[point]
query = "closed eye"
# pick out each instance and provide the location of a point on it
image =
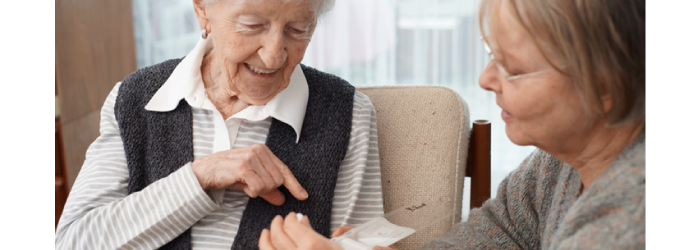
(253, 26)
(295, 31)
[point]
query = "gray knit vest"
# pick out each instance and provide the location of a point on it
(159, 143)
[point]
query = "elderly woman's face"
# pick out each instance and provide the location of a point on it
(543, 110)
(258, 43)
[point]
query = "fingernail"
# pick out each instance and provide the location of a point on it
(304, 194)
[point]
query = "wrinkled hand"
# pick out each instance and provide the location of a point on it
(292, 234)
(341, 230)
(254, 170)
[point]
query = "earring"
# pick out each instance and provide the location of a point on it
(204, 34)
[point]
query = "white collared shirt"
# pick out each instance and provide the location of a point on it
(288, 106)
(100, 215)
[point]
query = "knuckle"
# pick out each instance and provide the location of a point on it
(268, 187)
(279, 180)
(284, 169)
(260, 188)
(254, 189)
(249, 154)
(249, 175)
(258, 148)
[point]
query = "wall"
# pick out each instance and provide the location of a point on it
(94, 50)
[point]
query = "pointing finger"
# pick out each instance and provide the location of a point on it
(289, 180)
(263, 155)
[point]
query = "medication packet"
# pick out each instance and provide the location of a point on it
(407, 219)
(376, 232)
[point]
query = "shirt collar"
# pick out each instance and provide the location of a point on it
(288, 106)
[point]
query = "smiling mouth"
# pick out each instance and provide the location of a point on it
(259, 70)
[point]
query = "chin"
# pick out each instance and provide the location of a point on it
(256, 93)
(517, 137)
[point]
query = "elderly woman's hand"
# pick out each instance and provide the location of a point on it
(254, 169)
(293, 234)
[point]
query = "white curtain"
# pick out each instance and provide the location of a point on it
(163, 29)
(368, 42)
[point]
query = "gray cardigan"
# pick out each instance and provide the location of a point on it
(158, 143)
(538, 207)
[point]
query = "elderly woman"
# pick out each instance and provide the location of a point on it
(204, 151)
(569, 76)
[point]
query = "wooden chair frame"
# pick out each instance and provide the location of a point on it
(479, 162)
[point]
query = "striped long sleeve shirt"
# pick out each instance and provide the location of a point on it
(100, 215)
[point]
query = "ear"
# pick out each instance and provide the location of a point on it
(607, 102)
(200, 10)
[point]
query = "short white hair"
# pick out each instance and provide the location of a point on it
(321, 7)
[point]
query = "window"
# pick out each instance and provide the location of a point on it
(368, 42)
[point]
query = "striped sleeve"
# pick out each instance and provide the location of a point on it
(100, 215)
(358, 191)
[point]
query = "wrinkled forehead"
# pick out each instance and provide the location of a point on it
(287, 10)
(259, 1)
(312, 5)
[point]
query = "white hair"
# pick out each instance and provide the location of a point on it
(321, 7)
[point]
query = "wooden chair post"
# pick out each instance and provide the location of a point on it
(479, 162)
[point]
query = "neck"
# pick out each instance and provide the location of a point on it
(594, 152)
(218, 88)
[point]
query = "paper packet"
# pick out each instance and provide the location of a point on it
(381, 231)
(376, 232)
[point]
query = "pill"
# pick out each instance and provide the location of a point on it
(299, 217)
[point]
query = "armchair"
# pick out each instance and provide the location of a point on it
(423, 134)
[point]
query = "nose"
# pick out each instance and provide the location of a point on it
(488, 79)
(273, 52)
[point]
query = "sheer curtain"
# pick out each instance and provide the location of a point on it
(163, 29)
(368, 42)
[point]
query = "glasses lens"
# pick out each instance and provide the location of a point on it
(498, 65)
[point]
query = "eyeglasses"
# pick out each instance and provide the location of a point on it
(505, 73)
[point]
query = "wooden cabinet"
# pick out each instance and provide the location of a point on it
(94, 51)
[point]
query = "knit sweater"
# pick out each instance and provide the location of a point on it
(538, 207)
(158, 143)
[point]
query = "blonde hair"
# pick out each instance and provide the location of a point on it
(602, 44)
